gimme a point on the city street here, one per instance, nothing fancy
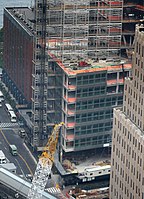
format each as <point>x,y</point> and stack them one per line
<point>3,114</point>
<point>24,161</point>
<point>9,135</point>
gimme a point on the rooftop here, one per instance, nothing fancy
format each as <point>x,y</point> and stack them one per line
<point>75,66</point>
<point>71,65</point>
<point>8,166</point>
<point>24,16</point>
<point>18,184</point>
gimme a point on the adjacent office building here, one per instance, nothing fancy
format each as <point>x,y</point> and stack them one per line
<point>127,175</point>
<point>18,53</point>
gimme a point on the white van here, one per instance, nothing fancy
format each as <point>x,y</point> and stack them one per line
<point>2,157</point>
<point>1,96</point>
<point>12,116</point>
<point>13,149</point>
<point>8,107</point>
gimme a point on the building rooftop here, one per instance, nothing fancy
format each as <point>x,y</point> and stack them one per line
<point>9,166</point>
<point>74,67</point>
<point>18,184</point>
<point>24,16</point>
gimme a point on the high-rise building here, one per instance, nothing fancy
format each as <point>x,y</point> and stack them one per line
<point>127,174</point>
<point>18,53</point>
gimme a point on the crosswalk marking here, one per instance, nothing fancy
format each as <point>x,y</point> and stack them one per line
<point>56,191</point>
<point>53,190</point>
<point>5,125</point>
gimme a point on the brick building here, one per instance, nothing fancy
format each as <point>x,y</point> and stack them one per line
<point>18,53</point>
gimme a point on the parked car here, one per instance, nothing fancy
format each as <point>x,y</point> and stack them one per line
<point>29,177</point>
<point>22,133</point>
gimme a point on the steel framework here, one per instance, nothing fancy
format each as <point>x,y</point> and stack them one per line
<point>71,31</point>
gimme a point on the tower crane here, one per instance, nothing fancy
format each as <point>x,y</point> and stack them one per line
<point>43,169</point>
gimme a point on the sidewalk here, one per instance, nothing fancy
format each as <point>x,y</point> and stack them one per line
<point>32,156</point>
<point>7,90</point>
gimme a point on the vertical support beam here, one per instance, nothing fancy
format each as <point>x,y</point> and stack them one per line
<point>39,76</point>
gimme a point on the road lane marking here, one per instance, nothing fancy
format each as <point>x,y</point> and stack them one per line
<point>30,153</point>
<point>26,163</point>
<point>4,137</point>
<point>20,167</point>
<point>18,153</point>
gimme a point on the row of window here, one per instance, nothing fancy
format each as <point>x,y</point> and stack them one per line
<point>120,170</point>
<point>126,159</point>
<point>93,76</point>
<point>124,190</point>
<point>88,92</point>
<point>98,103</point>
<point>133,155</point>
<point>92,141</point>
<point>92,116</point>
<point>131,137</point>
<point>90,79</point>
<point>140,49</point>
<point>85,92</point>
<point>138,73</point>
<point>132,106</point>
<point>131,90</point>
<point>93,131</point>
<point>94,128</point>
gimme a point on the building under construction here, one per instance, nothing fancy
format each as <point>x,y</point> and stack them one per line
<point>133,12</point>
<point>68,33</point>
<point>77,72</point>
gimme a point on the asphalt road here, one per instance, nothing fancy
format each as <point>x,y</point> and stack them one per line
<point>24,162</point>
<point>3,114</point>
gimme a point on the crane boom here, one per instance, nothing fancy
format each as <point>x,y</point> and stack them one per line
<point>43,169</point>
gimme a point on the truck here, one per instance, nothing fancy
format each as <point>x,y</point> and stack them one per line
<point>13,149</point>
<point>2,158</point>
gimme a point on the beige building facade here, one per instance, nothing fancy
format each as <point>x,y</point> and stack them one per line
<point>127,174</point>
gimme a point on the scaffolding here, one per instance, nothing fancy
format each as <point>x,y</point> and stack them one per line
<point>105,28</point>
<point>39,76</point>
<point>133,12</point>
<point>72,31</point>
<point>85,29</point>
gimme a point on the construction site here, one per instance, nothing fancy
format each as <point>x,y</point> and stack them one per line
<point>66,38</point>
<point>78,49</point>
<point>68,65</point>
